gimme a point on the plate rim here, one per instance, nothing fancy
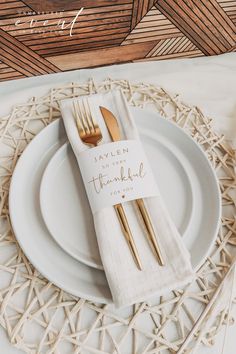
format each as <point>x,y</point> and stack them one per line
<point>78,293</point>
<point>42,193</point>
<point>152,134</point>
<point>57,122</point>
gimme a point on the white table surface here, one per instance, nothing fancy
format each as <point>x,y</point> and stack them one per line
<point>209,83</point>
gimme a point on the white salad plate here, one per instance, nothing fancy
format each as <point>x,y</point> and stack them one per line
<point>184,175</point>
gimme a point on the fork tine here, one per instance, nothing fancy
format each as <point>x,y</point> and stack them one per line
<point>83,119</point>
<point>77,118</point>
<point>88,116</point>
<point>92,121</point>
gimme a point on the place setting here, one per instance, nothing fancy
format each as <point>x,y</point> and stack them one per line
<point>117,177</point>
<point>114,204</point>
<point>114,220</point>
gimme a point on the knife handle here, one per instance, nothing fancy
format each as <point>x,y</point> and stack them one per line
<point>150,230</point>
<point>127,233</point>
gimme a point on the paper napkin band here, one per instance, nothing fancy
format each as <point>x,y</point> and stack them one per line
<point>115,173</point>
<point>112,172</point>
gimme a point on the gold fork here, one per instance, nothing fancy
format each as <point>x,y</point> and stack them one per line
<point>91,135</point>
<point>88,129</point>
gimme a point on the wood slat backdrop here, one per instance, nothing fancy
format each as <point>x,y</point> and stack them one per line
<point>108,32</point>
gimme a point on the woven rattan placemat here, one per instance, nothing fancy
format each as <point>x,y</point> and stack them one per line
<point>41,318</point>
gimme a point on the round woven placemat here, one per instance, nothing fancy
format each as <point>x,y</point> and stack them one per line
<point>41,318</point>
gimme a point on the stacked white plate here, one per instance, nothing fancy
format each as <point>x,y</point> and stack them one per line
<point>51,216</point>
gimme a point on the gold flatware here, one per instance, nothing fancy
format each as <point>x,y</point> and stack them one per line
<point>88,129</point>
<point>91,135</point>
<point>150,230</point>
<point>114,131</point>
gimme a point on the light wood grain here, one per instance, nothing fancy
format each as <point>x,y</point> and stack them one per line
<point>174,29</point>
<point>101,57</point>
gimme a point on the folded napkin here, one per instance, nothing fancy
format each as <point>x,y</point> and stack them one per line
<point>129,285</point>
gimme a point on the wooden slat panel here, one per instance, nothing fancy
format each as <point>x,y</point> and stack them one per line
<point>19,63</point>
<point>229,7</point>
<point>12,78</point>
<point>173,46</point>
<point>102,57</point>
<point>47,46</point>
<point>87,37</point>
<point>157,29</point>
<point>83,20</point>
<point>98,42</point>
<point>86,47</point>
<point>225,2</point>
<point>222,17</point>
<point>115,22</point>
<point>40,37</point>
<point>216,8</point>
<point>111,31</point>
<point>213,24</point>
<point>6,70</point>
<point>12,5</point>
<point>3,65</point>
<point>152,29</point>
<point>28,62</point>
<point>58,5</point>
<point>151,38</point>
<point>155,24</point>
<point>140,8</point>
<point>206,38</point>
<point>12,9</point>
<point>8,73</point>
<point>191,54</point>
<point>15,64</point>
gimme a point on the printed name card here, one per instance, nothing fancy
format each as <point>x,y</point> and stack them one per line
<point>115,173</point>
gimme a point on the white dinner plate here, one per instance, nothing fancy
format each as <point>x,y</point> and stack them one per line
<point>187,182</point>
<point>65,208</point>
<point>30,230</point>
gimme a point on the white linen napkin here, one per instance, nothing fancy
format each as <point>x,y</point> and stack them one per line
<point>129,285</point>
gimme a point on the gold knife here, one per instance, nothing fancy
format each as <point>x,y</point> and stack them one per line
<point>121,212</point>
<point>114,131</point>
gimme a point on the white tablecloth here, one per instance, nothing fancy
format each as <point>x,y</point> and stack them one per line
<point>209,83</point>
